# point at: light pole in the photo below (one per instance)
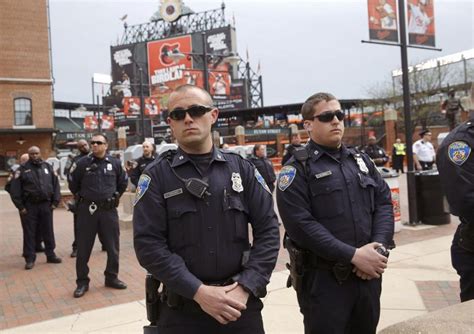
(103, 79)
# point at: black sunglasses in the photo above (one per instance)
(98, 142)
(328, 116)
(194, 111)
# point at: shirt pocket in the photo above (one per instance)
(236, 213)
(368, 186)
(327, 198)
(183, 224)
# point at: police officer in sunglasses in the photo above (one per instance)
(191, 221)
(98, 181)
(338, 213)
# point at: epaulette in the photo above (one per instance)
(168, 155)
(301, 154)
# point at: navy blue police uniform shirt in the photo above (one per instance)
(142, 162)
(338, 206)
(35, 183)
(455, 162)
(185, 241)
(97, 179)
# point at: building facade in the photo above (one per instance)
(26, 84)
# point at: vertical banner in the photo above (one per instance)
(421, 30)
(90, 123)
(383, 20)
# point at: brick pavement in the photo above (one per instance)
(46, 291)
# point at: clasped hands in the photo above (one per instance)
(223, 303)
(368, 263)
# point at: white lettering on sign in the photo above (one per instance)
(122, 57)
(217, 41)
(167, 74)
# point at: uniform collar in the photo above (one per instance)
(316, 151)
(181, 157)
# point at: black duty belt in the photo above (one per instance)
(36, 200)
(341, 271)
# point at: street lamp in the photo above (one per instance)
(230, 57)
(103, 79)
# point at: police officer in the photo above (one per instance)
(191, 216)
(295, 143)
(337, 208)
(264, 165)
(35, 192)
(149, 155)
(375, 152)
(83, 147)
(38, 238)
(98, 180)
(456, 168)
(424, 155)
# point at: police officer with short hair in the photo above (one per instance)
(191, 216)
(456, 169)
(375, 152)
(36, 193)
(149, 155)
(264, 165)
(98, 180)
(83, 147)
(295, 143)
(337, 209)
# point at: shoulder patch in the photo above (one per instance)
(142, 187)
(17, 173)
(261, 180)
(286, 177)
(459, 152)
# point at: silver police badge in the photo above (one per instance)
(362, 166)
(237, 182)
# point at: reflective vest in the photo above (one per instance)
(399, 149)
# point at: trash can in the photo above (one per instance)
(391, 177)
(432, 206)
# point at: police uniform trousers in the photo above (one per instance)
(398, 162)
(426, 165)
(38, 236)
(38, 216)
(74, 243)
(191, 319)
(106, 223)
(332, 308)
(463, 262)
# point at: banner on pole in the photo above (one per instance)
(421, 29)
(383, 20)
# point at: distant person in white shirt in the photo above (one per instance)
(423, 151)
(419, 20)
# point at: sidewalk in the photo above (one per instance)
(419, 279)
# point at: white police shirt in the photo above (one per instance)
(424, 151)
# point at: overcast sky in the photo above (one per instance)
(303, 46)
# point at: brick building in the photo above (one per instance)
(26, 103)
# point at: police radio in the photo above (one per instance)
(196, 187)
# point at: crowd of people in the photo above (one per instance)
(193, 207)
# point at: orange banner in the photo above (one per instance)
(421, 29)
(383, 20)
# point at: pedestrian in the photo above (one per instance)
(264, 165)
(149, 155)
(295, 141)
(192, 210)
(98, 180)
(451, 107)
(456, 169)
(84, 149)
(375, 152)
(39, 248)
(423, 151)
(398, 155)
(35, 192)
(337, 210)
